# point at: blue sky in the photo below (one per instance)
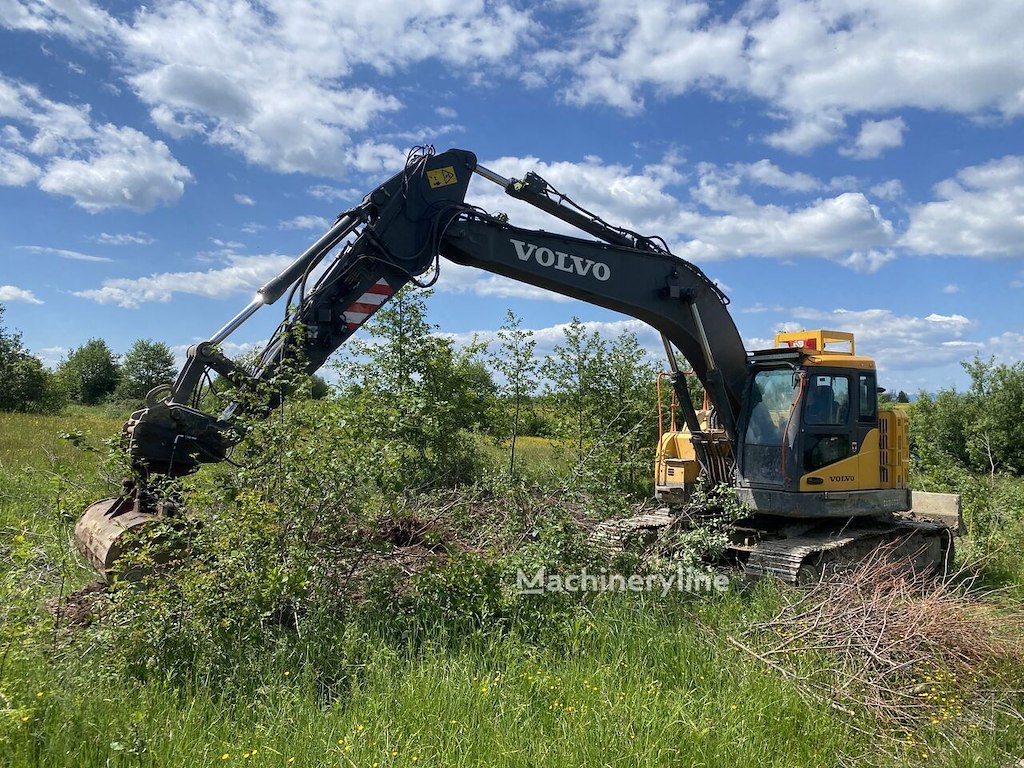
(848, 164)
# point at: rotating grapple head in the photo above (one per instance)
(165, 439)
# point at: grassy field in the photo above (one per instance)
(616, 680)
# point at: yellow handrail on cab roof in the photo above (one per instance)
(816, 341)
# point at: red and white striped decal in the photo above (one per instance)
(368, 303)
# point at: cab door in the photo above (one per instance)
(826, 435)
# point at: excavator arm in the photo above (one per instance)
(396, 234)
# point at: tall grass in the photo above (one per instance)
(619, 680)
(626, 682)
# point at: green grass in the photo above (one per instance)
(29, 440)
(622, 680)
(537, 458)
(630, 684)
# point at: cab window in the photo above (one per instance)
(868, 408)
(827, 400)
(826, 437)
(771, 398)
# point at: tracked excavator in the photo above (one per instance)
(796, 430)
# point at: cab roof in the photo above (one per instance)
(815, 348)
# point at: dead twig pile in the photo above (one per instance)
(909, 648)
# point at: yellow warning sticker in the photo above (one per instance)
(441, 177)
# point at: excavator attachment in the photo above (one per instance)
(110, 528)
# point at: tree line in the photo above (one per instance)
(587, 392)
(89, 374)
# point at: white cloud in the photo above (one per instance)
(13, 293)
(305, 222)
(139, 238)
(80, 22)
(329, 193)
(239, 74)
(672, 47)
(875, 55)
(98, 166)
(866, 261)
(244, 200)
(16, 170)
(457, 278)
(979, 213)
(51, 356)
(62, 253)
(813, 62)
(892, 189)
(243, 274)
(951, 289)
(807, 132)
(123, 169)
(875, 137)
(770, 175)
(1008, 345)
(846, 229)
(275, 82)
(53, 127)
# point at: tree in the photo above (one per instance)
(89, 373)
(318, 387)
(902, 397)
(146, 365)
(995, 437)
(411, 389)
(26, 384)
(627, 413)
(576, 381)
(477, 385)
(980, 429)
(515, 361)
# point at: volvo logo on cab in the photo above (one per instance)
(566, 262)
